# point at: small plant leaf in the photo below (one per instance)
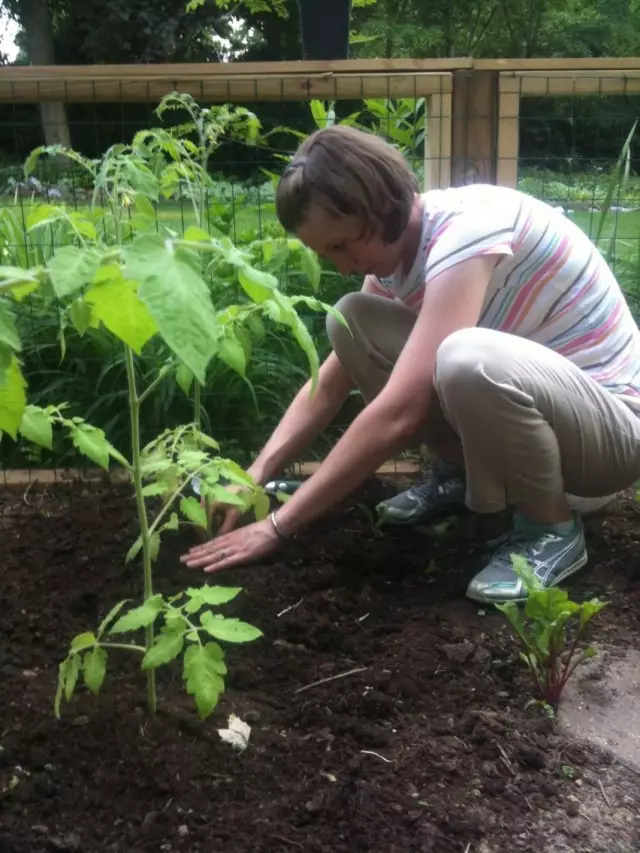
(229, 630)
(166, 648)
(80, 314)
(13, 398)
(134, 550)
(192, 509)
(152, 490)
(116, 304)
(177, 298)
(259, 286)
(261, 505)
(95, 668)
(73, 670)
(139, 617)
(91, 442)
(154, 545)
(184, 378)
(231, 351)
(8, 332)
(589, 609)
(214, 596)
(65, 670)
(36, 427)
(83, 641)
(201, 676)
(111, 615)
(71, 268)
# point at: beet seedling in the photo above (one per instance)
(542, 626)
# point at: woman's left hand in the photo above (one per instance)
(234, 549)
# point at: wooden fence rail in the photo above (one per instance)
(473, 106)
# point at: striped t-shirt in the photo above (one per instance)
(552, 286)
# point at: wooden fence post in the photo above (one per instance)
(474, 127)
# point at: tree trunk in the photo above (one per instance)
(36, 20)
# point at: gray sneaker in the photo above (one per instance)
(441, 495)
(552, 556)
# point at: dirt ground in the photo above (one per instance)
(428, 746)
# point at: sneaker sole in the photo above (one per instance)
(570, 570)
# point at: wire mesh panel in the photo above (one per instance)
(91, 111)
(570, 138)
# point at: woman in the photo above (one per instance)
(489, 327)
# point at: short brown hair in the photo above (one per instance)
(348, 172)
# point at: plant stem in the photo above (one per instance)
(153, 385)
(127, 647)
(134, 410)
(197, 405)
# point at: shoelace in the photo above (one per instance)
(524, 539)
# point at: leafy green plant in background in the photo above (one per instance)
(120, 275)
(541, 625)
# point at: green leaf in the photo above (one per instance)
(83, 641)
(32, 160)
(214, 596)
(62, 680)
(95, 668)
(139, 617)
(8, 332)
(184, 378)
(154, 489)
(117, 305)
(13, 399)
(134, 550)
(197, 235)
(311, 267)
(232, 353)
(144, 206)
(36, 427)
(67, 679)
(224, 496)
(194, 511)
(589, 609)
(259, 286)
(73, 671)
(91, 442)
(111, 615)
(173, 523)
(229, 630)
(256, 326)
(154, 545)
(167, 647)
(177, 298)
(5, 359)
(316, 305)
(261, 505)
(71, 268)
(80, 314)
(200, 672)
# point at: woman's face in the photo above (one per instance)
(341, 241)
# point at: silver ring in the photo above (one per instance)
(223, 555)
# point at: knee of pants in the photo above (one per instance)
(348, 306)
(463, 362)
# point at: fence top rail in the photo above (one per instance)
(185, 70)
(151, 71)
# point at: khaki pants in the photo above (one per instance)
(527, 424)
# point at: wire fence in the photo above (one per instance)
(564, 137)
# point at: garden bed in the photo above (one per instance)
(427, 745)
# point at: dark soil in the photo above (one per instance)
(430, 746)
